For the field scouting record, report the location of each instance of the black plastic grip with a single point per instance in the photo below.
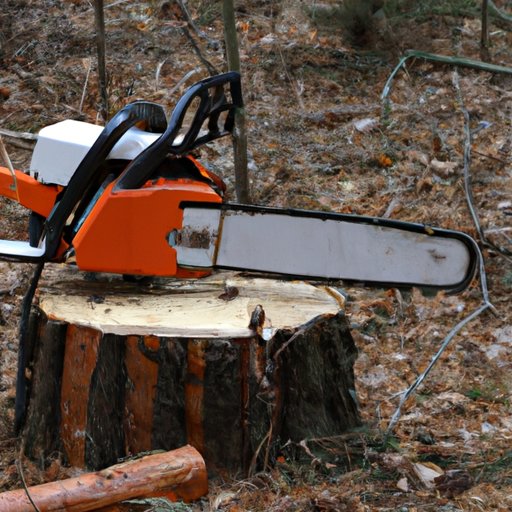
(83, 179)
(211, 102)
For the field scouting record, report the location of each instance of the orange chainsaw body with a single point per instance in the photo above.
(27, 191)
(127, 231)
(110, 199)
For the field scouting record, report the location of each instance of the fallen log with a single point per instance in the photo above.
(230, 364)
(177, 475)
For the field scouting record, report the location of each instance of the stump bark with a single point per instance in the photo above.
(234, 366)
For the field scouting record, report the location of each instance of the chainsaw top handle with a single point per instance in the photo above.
(206, 101)
(87, 177)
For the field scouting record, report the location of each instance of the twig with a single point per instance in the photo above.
(99, 24)
(467, 168)
(498, 13)
(486, 305)
(483, 276)
(467, 157)
(491, 157)
(113, 4)
(18, 135)
(421, 378)
(212, 42)
(442, 59)
(252, 466)
(208, 65)
(391, 208)
(159, 67)
(19, 466)
(7, 160)
(296, 90)
(183, 80)
(85, 86)
(498, 230)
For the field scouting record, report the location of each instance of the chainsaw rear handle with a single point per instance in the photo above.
(211, 105)
(84, 182)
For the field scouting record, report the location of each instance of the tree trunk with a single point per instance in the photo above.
(484, 38)
(240, 133)
(99, 21)
(232, 365)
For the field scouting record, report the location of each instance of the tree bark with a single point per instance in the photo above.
(232, 365)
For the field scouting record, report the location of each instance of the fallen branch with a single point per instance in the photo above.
(498, 13)
(178, 474)
(467, 157)
(442, 59)
(483, 276)
(18, 135)
(467, 169)
(454, 331)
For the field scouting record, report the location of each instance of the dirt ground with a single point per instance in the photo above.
(320, 138)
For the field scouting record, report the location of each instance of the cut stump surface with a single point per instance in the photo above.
(232, 365)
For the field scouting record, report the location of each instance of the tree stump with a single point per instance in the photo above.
(233, 365)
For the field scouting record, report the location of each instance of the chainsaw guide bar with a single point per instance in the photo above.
(319, 245)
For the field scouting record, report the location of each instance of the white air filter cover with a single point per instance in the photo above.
(61, 147)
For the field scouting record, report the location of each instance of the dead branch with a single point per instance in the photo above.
(207, 64)
(212, 42)
(467, 169)
(483, 276)
(441, 59)
(467, 157)
(19, 466)
(178, 474)
(88, 72)
(455, 330)
(18, 135)
(498, 13)
(484, 37)
(296, 86)
(183, 80)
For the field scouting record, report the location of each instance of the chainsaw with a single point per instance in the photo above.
(130, 198)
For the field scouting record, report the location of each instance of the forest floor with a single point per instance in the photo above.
(319, 138)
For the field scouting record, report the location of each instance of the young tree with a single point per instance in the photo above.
(484, 40)
(99, 19)
(240, 133)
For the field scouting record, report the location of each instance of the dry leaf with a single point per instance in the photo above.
(365, 125)
(222, 499)
(443, 169)
(417, 156)
(453, 482)
(4, 93)
(403, 484)
(385, 161)
(427, 473)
